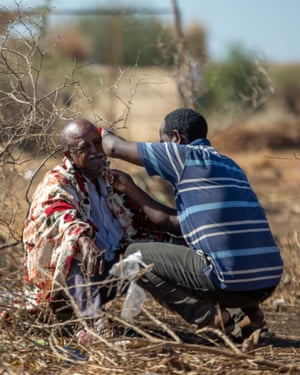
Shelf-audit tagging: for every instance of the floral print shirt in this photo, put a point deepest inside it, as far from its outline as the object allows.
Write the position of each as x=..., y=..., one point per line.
x=59, y=214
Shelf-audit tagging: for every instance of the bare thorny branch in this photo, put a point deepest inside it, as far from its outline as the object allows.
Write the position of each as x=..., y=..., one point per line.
x=31, y=109
x=33, y=105
x=185, y=83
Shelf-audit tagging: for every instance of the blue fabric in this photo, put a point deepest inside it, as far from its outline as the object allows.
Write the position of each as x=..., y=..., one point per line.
x=219, y=213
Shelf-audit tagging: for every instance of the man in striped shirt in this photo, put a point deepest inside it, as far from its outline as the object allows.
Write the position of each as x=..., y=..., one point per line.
x=230, y=258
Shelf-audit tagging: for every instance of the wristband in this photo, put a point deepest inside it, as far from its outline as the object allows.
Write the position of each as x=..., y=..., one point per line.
x=100, y=131
x=103, y=131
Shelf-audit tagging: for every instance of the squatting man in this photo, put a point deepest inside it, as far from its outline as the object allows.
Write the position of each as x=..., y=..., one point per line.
x=230, y=259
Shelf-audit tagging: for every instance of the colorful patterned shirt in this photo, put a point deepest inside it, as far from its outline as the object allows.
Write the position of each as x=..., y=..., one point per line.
x=59, y=214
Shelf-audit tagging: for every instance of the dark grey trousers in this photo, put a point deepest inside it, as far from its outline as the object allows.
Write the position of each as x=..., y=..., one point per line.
x=178, y=281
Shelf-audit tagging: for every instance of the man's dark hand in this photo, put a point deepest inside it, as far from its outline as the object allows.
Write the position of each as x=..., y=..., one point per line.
x=92, y=256
x=122, y=181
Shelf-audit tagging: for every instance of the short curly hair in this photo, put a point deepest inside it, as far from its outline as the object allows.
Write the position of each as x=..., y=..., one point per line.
x=187, y=122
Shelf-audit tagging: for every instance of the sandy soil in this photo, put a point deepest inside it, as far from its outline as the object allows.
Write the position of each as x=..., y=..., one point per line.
x=269, y=152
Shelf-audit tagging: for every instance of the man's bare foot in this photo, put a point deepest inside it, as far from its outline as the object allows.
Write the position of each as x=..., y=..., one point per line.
x=253, y=317
x=86, y=337
x=220, y=320
x=83, y=337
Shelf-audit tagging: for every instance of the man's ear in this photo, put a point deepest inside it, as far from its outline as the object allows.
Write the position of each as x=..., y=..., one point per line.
x=179, y=138
x=68, y=155
x=176, y=137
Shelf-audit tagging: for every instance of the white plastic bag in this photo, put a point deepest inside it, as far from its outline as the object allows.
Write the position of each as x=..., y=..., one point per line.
x=133, y=302
x=129, y=268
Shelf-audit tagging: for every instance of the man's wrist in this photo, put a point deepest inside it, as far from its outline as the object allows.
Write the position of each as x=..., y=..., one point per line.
x=103, y=132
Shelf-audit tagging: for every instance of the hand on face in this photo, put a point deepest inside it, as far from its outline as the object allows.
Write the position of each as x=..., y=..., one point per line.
x=121, y=181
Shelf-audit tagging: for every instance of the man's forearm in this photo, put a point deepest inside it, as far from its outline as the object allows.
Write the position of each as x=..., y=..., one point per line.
x=163, y=216
x=117, y=147
x=109, y=140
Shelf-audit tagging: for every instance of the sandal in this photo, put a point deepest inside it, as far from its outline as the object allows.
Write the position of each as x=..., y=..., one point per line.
x=237, y=333
x=99, y=329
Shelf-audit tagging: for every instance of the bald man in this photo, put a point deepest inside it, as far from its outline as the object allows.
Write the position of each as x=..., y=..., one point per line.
x=78, y=225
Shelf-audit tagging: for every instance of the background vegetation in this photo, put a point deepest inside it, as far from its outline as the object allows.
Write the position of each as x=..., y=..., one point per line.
x=127, y=71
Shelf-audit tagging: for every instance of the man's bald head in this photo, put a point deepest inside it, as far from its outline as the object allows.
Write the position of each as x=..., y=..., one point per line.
x=74, y=130
x=82, y=145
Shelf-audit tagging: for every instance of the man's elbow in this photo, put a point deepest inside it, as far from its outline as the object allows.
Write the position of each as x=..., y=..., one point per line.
x=171, y=224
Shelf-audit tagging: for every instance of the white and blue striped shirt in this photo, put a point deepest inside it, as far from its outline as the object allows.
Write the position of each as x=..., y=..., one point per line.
x=219, y=213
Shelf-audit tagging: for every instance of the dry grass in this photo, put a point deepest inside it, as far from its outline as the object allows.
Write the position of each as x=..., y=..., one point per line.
x=165, y=344
x=268, y=150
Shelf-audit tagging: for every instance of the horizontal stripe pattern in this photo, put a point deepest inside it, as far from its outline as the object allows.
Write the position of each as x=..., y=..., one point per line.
x=219, y=213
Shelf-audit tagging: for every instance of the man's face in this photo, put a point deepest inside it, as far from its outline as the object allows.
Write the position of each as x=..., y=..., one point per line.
x=85, y=150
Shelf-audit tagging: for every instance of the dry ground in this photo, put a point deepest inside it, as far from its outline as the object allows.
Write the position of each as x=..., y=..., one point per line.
x=170, y=346
x=268, y=148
